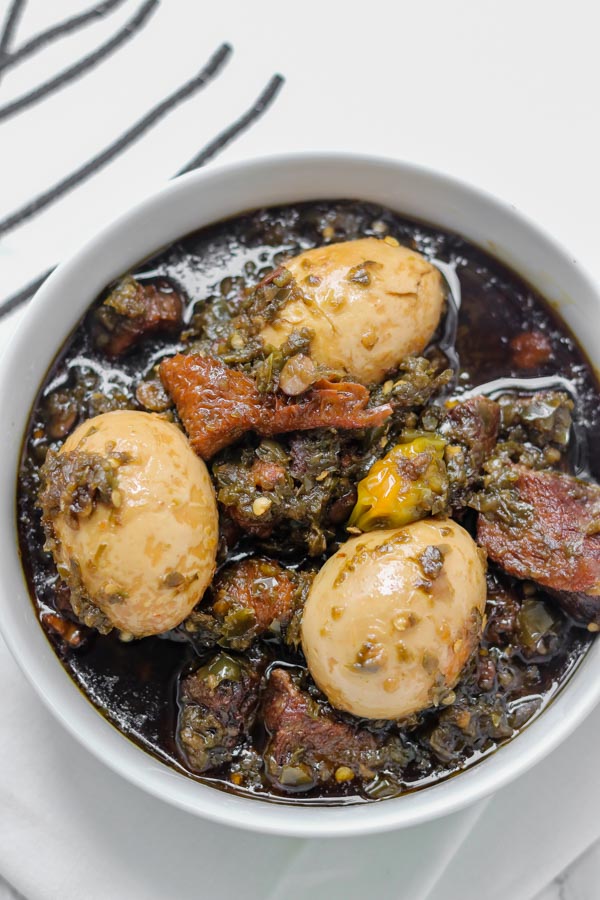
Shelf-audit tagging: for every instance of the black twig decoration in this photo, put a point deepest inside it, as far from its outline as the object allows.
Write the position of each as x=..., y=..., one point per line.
x=212, y=149
x=229, y=134
x=83, y=65
x=67, y=26
x=207, y=73
x=8, y=29
x=9, y=58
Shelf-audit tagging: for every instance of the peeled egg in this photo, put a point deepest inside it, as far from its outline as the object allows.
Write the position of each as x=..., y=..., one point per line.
x=145, y=559
x=393, y=616
x=370, y=303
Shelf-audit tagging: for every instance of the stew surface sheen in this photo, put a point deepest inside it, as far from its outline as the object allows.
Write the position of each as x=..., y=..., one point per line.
x=135, y=684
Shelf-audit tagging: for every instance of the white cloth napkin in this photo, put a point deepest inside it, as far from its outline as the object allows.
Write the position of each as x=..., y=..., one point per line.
x=534, y=828
x=470, y=88
x=70, y=828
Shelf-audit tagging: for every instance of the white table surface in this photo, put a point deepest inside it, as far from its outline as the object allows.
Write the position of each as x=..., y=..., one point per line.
x=502, y=93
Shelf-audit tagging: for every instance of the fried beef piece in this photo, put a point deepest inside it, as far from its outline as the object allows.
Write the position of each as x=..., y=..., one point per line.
x=247, y=599
x=217, y=404
x=308, y=746
x=328, y=404
x=218, y=705
x=132, y=311
x=581, y=606
x=261, y=587
x=554, y=541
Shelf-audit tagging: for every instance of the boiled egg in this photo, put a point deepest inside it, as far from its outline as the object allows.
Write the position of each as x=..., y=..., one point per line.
x=145, y=554
x=392, y=618
x=369, y=303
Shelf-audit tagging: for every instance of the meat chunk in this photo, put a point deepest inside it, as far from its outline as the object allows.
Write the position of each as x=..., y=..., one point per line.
x=217, y=404
x=555, y=541
x=474, y=423
x=308, y=746
x=248, y=599
x=471, y=427
x=262, y=587
x=328, y=404
x=218, y=705
x=531, y=349
x=132, y=311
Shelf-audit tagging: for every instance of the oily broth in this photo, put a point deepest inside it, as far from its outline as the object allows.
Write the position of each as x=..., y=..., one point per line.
x=135, y=684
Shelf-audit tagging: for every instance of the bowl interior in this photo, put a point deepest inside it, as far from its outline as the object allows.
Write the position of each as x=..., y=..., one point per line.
x=183, y=206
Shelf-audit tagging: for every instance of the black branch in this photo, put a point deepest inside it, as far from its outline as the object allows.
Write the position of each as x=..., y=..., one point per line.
x=55, y=32
x=207, y=73
x=212, y=149
x=83, y=65
x=8, y=29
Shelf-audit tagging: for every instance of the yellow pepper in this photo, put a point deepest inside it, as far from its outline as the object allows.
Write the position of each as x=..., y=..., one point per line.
x=409, y=483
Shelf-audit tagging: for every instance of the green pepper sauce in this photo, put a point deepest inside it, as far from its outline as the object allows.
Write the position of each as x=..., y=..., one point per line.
x=529, y=647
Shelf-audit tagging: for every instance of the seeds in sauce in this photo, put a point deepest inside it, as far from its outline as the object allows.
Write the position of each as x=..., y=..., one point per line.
x=287, y=498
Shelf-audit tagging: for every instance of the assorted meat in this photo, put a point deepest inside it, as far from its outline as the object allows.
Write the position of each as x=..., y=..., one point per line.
x=217, y=404
x=248, y=599
x=552, y=539
x=218, y=705
x=317, y=429
x=306, y=745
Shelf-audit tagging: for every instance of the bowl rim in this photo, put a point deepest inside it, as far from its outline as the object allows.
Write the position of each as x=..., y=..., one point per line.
x=64, y=699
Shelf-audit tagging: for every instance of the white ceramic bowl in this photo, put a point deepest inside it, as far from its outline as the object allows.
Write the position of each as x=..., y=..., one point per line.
x=182, y=206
